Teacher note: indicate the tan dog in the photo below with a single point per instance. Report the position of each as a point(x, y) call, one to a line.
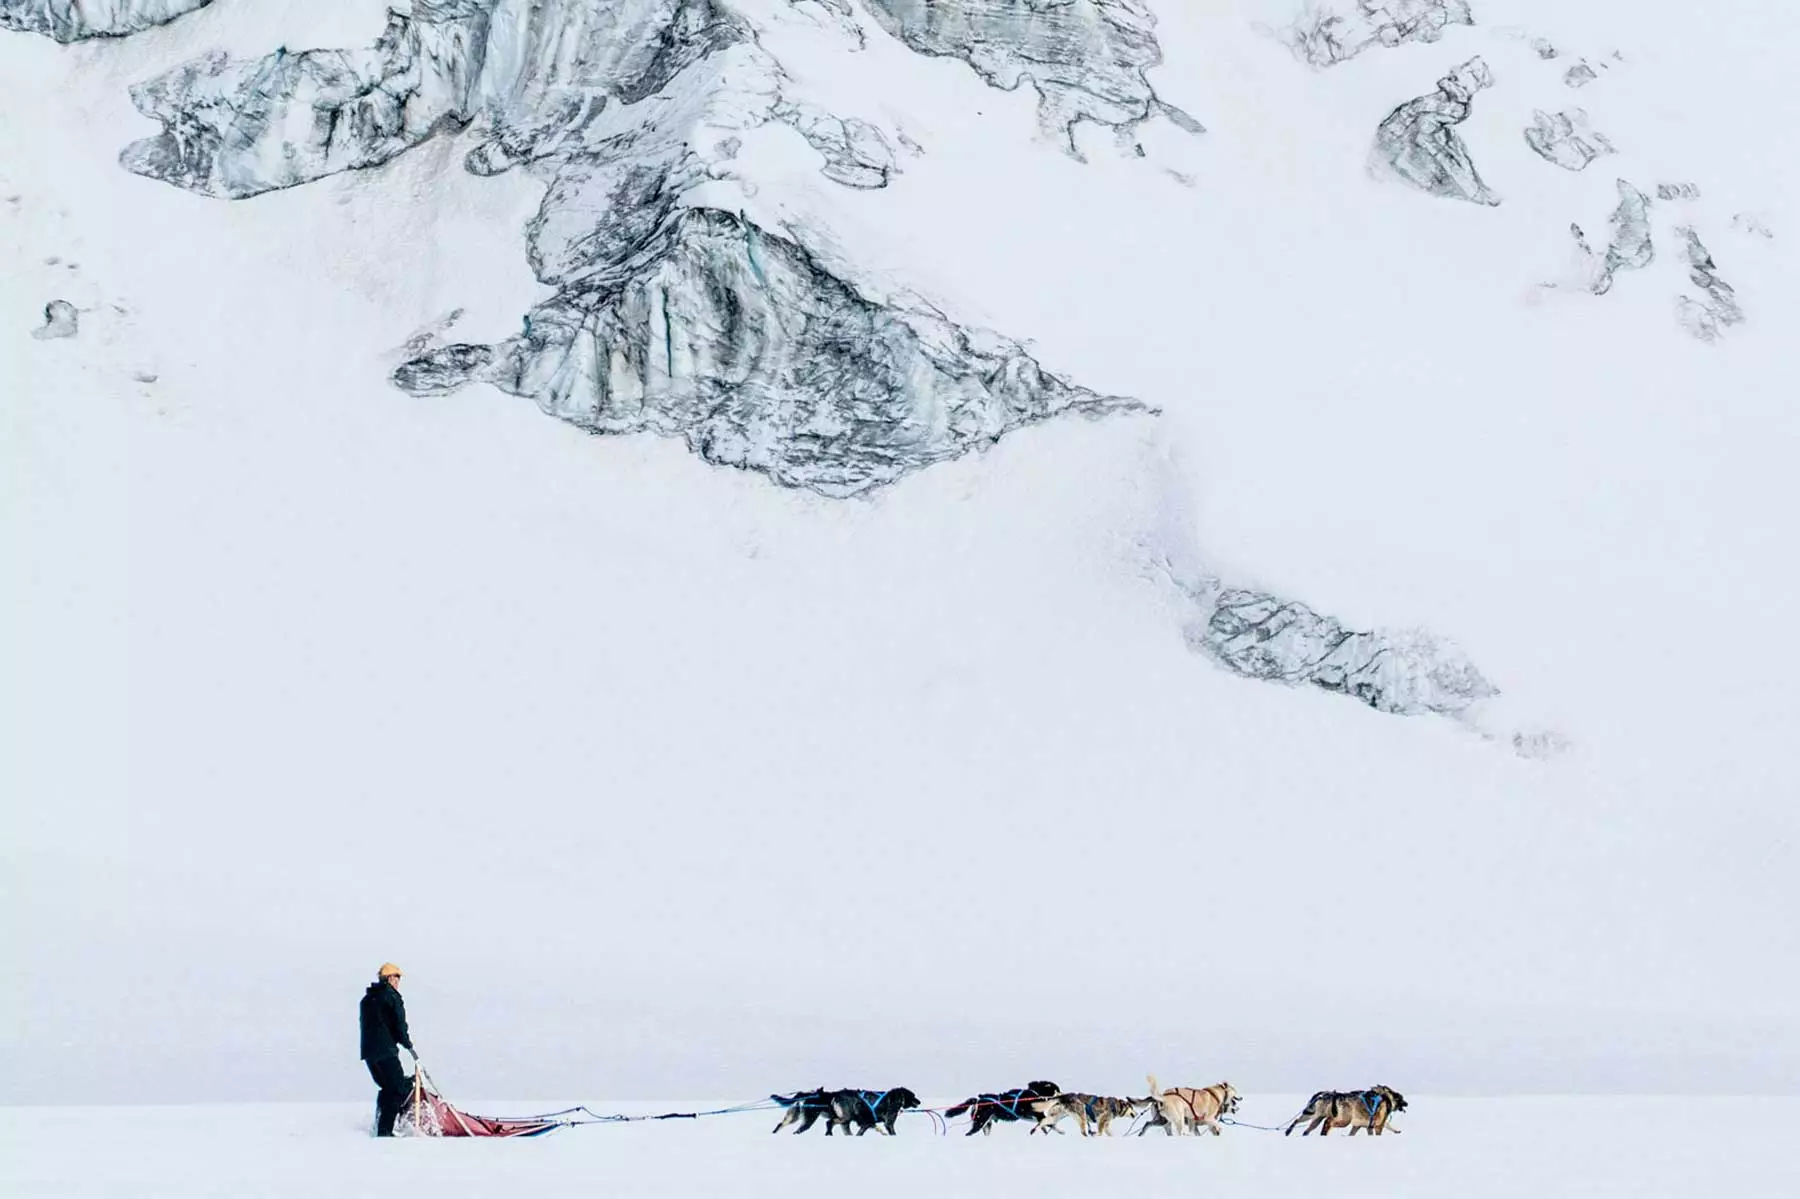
point(1370, 1109)
point(1186, 1110)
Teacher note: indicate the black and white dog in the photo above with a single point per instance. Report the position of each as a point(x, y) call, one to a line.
point(845, 1109)
point(1003, 1107)
point(803, 1108)
point(868, 1109)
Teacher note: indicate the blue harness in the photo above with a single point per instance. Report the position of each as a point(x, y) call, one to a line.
point(1011, 1108)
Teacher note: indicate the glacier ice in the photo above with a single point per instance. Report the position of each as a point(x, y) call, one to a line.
point(739, 341)
point(668, 317)
point(1705, 318)
point(1262, 636)
point(78, 20)
point(675, 312)
point(61, 319)
point(240, 128)
point(1324, 35)
point(1751, 223)
point(1418, 144)
point(1566, 139)
point(1085, 58)
point(1632, 246)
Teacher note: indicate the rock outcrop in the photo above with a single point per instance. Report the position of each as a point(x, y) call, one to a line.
point(1417, 143)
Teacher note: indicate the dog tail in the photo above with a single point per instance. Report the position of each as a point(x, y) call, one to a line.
point(959, 1109)
point(1155, 1087)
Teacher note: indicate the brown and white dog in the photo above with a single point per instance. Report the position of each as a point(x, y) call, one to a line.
point(1185, 1110)
point(1094, 1113)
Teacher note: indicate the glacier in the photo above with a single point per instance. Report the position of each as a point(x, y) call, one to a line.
point(1086, 59)
point(675, 316)
point(78, 20)
point(1417, 143)
point(1324, 35)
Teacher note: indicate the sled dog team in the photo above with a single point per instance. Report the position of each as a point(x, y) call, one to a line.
point(1176, 1110)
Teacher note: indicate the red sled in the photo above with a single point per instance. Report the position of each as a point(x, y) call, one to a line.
point(428, 1114)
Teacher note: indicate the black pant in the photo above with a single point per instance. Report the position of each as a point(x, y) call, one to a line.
point(396, 1088)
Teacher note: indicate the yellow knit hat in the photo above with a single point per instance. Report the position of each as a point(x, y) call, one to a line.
point(388, 968)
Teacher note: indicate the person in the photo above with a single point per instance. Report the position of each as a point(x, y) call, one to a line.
point(384, 1033)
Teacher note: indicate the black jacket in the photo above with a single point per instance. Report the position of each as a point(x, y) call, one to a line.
point(383, 1023)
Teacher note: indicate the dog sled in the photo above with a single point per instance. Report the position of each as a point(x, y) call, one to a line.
point(429, 1114)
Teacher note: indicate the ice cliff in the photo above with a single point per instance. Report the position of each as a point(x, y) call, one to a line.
point(1417, 143)
point(670, 316)
point(1085, 58)
point(1262, 636)
point(77, 20)
point(1324, 35)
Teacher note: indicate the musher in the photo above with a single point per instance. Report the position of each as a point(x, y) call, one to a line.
point(383, 1018)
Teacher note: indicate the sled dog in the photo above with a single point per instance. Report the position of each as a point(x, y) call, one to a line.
point(1094, 1113)
point(868, 1109)
point(1370, 1109)
point(1003, 1107)
point(803, 1108)
point(1185, 1110)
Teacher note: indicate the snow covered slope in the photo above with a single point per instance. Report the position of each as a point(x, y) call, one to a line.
point(326, 652)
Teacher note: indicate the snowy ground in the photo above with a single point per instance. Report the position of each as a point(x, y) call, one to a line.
point(1627, 1148)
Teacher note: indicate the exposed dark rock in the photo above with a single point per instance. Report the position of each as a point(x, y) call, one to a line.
point(79, 20)
point(1085, 58)
point(1566, 139)
point(1418, 143)
point(1678, 191)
